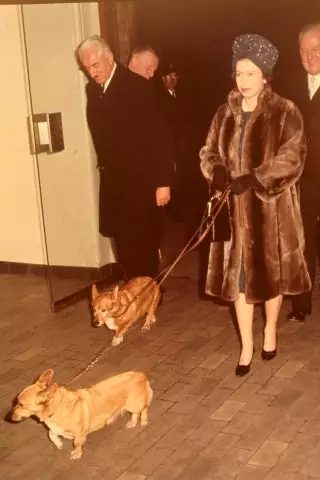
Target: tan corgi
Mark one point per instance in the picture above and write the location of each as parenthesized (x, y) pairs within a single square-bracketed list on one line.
[(123, 306), (74, 414)]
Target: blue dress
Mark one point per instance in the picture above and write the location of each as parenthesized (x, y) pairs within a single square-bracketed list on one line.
[(244, 119)]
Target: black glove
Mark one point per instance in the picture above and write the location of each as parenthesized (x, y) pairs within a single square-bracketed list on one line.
[(220, 178), (240, 184)]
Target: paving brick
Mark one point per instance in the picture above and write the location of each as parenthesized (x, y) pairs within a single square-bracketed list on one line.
[(131, 476), (293, 457), (227, 411), (175, 436), (207, 429), (250, 472), (268, 453), (165, 473), (196, 376), (262, 375), (176, 392), (287, 429), (220, 445), (184, 454), (199, 469), (204, 387), (257, 403), (289, 369), (154, 457), (310, 467), (213, 361), (244, 392), (216, 398), (274, 386), (230, 464), (240, 423)]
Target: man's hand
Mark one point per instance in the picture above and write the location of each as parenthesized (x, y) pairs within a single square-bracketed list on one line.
[(162, 196)]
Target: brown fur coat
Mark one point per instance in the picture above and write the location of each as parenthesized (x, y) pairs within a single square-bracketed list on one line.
[(265, 221)]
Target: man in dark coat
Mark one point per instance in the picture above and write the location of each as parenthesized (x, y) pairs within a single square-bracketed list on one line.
[(135, 157), (178, 105), (144, 61), (307, 96)]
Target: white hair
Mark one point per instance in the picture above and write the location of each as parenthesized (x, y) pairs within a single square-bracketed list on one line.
[(94, 41), (308, 28), (136, 52)]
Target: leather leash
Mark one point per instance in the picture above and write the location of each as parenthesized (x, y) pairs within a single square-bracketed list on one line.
[(213, 212)]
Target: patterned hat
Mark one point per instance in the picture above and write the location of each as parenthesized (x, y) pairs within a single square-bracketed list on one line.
[(256, 48)]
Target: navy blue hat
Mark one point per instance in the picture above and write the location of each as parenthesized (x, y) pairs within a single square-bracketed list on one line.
[(256, 48)]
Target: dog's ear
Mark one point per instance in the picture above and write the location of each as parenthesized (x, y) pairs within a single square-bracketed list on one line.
[(94, 292), (115, 293), (45, 396), (45, 378)]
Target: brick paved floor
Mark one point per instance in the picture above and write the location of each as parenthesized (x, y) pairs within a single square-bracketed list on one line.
[(204, 422)]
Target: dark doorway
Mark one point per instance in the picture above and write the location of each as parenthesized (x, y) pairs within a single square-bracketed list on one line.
[(198, 35)]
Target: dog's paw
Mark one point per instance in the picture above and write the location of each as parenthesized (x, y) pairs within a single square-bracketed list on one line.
[(144, 418), (131, 424), (144, 422), (146, 328), (59, 444), (117, 340), (75, 454)]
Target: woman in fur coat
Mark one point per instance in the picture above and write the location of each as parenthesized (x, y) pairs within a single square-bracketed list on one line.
[(256, 144)]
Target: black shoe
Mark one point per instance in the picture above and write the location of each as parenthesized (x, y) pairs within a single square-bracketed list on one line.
[(268, 354), (298, 315), (242, 370)]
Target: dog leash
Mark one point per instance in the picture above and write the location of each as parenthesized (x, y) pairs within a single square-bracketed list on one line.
[(212, 213)]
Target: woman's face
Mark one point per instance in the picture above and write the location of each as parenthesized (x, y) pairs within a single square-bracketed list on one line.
[(249, 78)]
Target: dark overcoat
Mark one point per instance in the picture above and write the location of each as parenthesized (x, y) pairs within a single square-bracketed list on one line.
[(297, 90), (266, 227), (134, 150)]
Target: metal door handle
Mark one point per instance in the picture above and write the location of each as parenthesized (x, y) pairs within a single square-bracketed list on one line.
[(46, 133)]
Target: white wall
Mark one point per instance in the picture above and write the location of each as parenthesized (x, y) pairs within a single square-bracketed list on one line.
[(69, 180), (20, 238)]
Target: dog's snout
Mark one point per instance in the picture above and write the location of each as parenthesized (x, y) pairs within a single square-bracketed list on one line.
[(14, 417)]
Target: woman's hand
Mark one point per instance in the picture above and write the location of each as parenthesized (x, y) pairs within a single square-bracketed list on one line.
[(240, 184)]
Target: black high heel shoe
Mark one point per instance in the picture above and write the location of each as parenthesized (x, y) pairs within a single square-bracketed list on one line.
[(242, 370), (268, 355)]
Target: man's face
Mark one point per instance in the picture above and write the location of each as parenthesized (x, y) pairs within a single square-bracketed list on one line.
[(310, 51), (98, 65), (170, 81), (144, 64)]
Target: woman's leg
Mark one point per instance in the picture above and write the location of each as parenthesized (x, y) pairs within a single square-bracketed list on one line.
[(272, 314), (244, 312)]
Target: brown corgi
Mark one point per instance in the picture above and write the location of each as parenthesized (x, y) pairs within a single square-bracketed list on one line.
[(123, 306)]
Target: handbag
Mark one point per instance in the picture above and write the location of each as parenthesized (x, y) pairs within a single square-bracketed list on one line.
[(220, 229)]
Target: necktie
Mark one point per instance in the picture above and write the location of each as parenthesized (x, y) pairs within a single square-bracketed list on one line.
[(312, 87)]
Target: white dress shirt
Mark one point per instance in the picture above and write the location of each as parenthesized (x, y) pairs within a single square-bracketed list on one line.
[(106, 85), (313, 84)]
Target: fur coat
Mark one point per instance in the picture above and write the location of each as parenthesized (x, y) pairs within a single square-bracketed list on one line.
[(265, 221)]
